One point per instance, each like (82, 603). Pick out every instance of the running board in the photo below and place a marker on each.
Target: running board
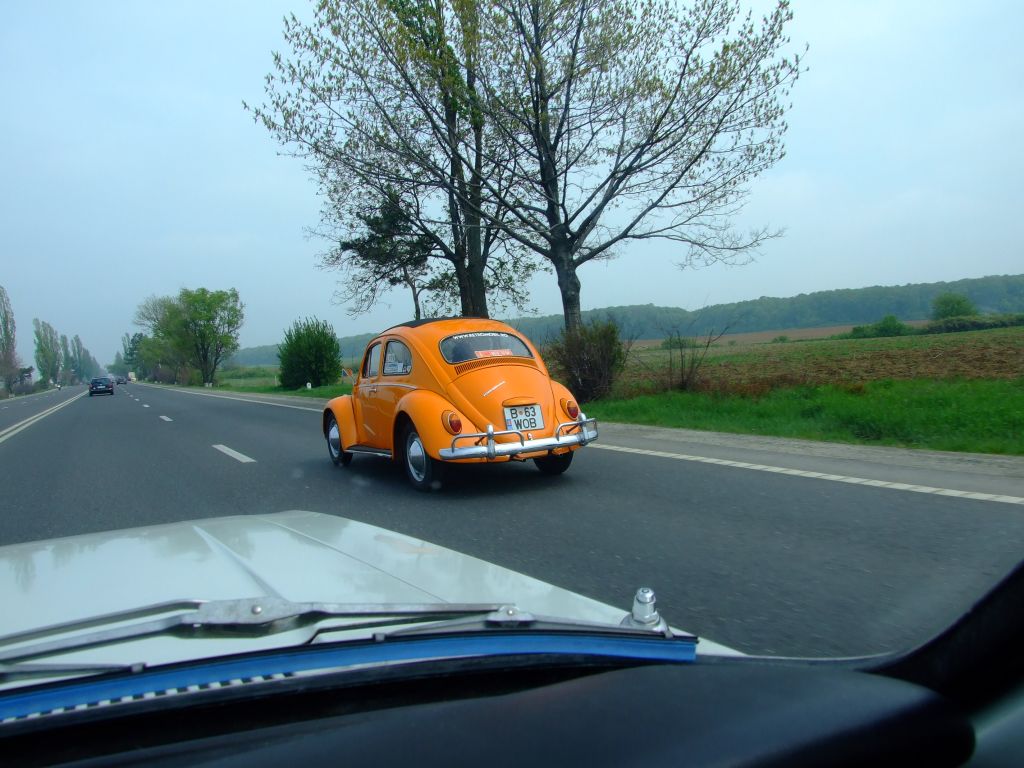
(367, 449)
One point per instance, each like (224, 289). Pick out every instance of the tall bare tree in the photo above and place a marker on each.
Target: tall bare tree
(382, 97)
(632, 121)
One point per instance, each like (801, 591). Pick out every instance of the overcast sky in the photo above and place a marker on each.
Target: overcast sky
(128, 167)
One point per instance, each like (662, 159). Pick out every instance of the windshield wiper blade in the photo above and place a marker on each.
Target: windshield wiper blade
(28, 670)
(246, 617)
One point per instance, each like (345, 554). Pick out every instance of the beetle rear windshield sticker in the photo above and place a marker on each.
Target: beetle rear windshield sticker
(493, 352)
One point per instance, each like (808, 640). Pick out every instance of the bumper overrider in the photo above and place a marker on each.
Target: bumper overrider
(484, 446)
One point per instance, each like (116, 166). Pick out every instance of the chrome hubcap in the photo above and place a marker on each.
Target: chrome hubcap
(334, 440)
(416, 458)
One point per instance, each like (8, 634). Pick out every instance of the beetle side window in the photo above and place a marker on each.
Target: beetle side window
(372, 362)
(397, 359)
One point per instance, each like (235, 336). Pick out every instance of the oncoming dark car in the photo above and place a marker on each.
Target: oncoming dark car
(101, 385)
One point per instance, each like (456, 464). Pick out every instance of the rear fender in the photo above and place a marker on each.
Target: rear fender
(425, 408)
(561, 393)
(344, 414)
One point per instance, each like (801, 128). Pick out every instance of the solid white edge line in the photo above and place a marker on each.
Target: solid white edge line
(1001, 498)
(235, 454)
(14, 429)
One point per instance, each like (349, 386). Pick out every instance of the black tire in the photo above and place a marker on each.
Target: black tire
(90, 394)
(554, 464)
(333, 434)
(424, 472)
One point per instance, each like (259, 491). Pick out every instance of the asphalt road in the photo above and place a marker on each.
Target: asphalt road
(772, 547)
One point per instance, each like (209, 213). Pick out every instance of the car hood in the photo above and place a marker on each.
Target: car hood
(294, 555)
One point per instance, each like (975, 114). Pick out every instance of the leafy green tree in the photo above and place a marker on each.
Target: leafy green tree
(130, 349)
(952, 305)
(209, 325)
(198, 328)
(166, 351)
(67, 375)
(118, 367)
(390, 253)
(309, 353)
(9, 363)
(48, 359)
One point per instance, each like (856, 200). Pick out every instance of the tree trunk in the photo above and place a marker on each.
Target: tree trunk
(569, 287)
(477, 287)
(415, 300)
(465, 290)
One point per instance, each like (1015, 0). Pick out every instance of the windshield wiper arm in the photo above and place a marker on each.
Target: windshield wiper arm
(508, 617)
(246, 617)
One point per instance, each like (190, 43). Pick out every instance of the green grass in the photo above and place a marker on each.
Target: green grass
(984, 416)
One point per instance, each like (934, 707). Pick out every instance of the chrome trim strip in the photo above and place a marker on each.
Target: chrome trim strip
(486, 447)
(372, 451)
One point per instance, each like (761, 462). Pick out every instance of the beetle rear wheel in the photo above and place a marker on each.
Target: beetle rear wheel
(423, 471)
(339, 457)
(554, 464)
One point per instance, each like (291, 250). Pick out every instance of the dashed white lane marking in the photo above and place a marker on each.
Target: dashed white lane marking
(817, 475)
(235, 454)
(145, 406)
(167, 418)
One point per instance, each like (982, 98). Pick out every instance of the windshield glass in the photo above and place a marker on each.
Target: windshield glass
(482, 344)
(759, 349)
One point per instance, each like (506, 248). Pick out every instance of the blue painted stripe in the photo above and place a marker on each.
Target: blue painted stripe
(21, 703)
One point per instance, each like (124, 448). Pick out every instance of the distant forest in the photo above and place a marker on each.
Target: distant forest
(848, 306)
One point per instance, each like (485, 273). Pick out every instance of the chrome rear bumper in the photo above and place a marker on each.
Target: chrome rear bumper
(484, 446)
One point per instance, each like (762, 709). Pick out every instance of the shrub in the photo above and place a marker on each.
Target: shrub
(780, 339)
(973, 323)
(952, 305)
(590, 359)
(309, 353)
(887, 326)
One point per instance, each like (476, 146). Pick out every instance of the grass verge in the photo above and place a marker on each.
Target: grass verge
(982, 416)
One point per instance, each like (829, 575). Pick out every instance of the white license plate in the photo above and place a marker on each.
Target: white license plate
(524, 417)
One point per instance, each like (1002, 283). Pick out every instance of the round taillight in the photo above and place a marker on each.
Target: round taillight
(451, 422)
(570, 408)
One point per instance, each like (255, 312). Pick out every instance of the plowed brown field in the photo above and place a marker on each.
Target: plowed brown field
(994, 354)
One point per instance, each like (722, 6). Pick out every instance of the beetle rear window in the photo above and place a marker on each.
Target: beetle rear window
(483, 344)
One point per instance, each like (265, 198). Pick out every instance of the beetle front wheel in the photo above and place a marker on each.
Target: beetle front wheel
(333, 434)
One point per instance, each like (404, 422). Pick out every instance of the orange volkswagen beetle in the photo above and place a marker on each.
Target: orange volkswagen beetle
(456, 390)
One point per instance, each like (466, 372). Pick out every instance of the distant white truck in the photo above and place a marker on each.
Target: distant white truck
(131, 376)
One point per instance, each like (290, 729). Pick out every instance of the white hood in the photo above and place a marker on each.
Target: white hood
(297, 556)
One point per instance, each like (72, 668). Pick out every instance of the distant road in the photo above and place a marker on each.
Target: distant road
(767, 545)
